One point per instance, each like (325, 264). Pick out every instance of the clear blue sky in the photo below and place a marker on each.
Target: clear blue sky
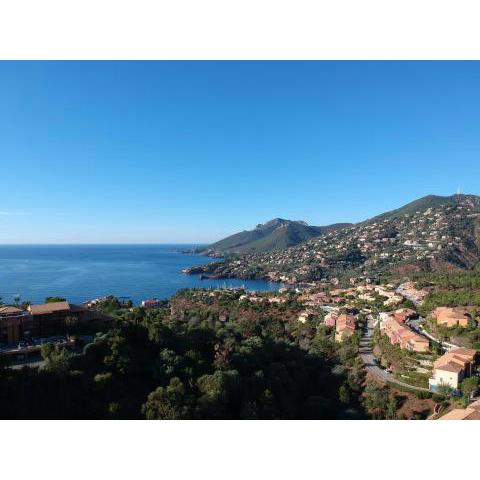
(193, 151)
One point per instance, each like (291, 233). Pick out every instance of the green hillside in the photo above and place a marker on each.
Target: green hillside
(431, 201)
(273, 235)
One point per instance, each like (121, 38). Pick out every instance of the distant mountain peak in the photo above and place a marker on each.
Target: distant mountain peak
(279, 222)
(275, 234)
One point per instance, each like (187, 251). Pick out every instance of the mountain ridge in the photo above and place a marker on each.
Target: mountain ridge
(278, 233)
(428, 234)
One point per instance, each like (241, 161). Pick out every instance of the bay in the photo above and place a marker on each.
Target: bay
(83, 272)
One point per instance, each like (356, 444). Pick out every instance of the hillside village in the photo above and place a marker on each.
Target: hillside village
(397, 350)
(358, 281)
(435, 237)
(397, 340)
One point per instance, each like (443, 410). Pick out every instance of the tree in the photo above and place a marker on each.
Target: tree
(57, 359)
(377, 400)
(54, 299)
(443, 390)
(214, 395)
(323, 344)
(46, 350)
(166, 403)
(356, 376)
(391, 408)
(469, 386)
(348, 350)
(344, 393)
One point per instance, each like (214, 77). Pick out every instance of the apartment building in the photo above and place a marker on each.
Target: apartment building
(451, 317)
(392, 325)
(450, 369)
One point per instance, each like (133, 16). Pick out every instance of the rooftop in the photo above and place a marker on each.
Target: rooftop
(455, 360)
(47, 308)
(9, 310)
(472, 412)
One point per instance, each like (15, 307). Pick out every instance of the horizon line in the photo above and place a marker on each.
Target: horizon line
(101, 243)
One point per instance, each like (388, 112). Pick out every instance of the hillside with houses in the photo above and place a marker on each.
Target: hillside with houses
(430, 234)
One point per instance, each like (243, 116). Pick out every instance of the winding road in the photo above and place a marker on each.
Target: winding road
(366, 354)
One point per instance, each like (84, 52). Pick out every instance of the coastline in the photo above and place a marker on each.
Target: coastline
(80, 273)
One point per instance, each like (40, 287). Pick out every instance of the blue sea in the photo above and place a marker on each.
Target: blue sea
(83, 272)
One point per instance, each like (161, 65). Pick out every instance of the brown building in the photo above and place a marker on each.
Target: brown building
(45, 320)
(13, 322)
(402, 336)
(451, 368)
(451, 317)
(49, 318)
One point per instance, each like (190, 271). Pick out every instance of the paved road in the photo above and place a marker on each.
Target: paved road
(32, 364)
(366, 354)
(416, 325)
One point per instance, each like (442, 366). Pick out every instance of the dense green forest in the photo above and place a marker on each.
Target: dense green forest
(187, 361)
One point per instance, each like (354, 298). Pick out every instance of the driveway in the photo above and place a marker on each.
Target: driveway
(366, 354)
